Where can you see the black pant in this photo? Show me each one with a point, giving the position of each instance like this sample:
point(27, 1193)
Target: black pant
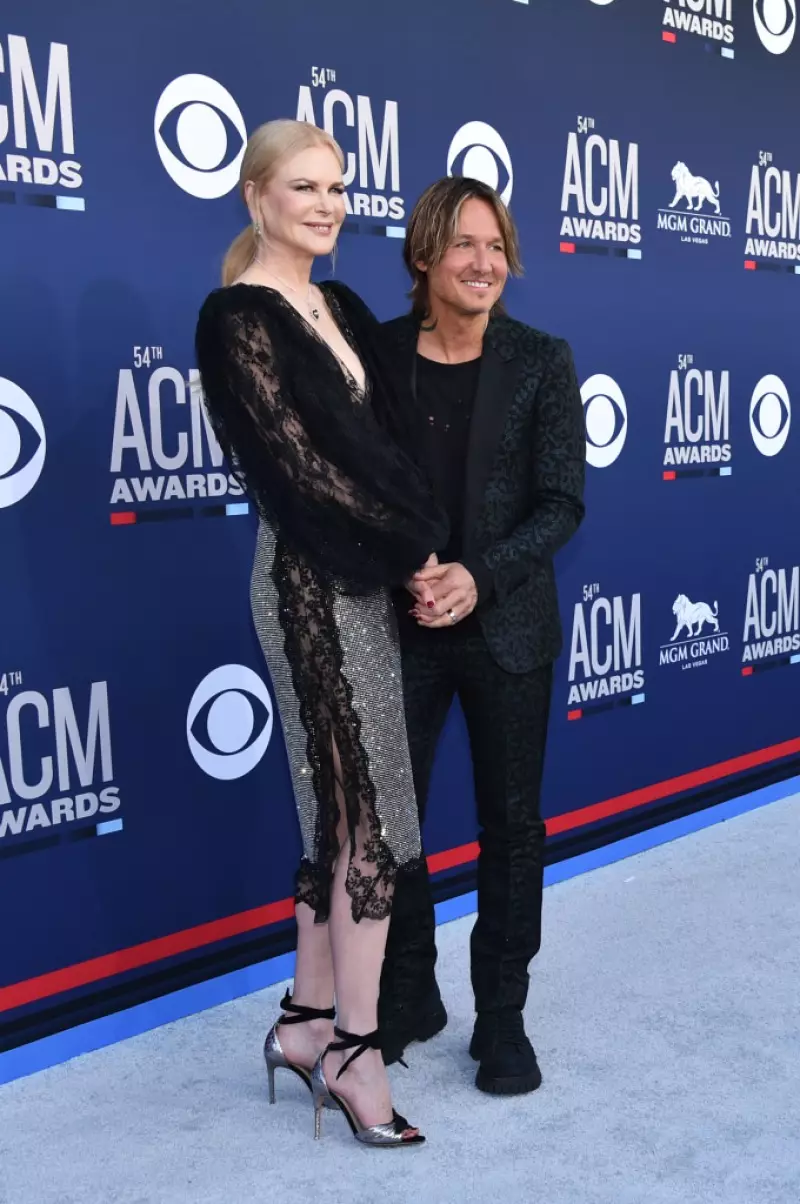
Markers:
point(506, 716)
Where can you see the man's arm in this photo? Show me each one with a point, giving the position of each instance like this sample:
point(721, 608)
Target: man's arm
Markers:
point(559, 455)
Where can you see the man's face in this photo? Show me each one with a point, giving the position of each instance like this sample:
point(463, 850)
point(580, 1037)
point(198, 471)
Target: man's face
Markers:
point(472, 274)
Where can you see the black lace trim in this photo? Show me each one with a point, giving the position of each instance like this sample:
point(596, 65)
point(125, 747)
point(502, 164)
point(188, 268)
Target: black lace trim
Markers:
point(328, 714)
point(317, 461)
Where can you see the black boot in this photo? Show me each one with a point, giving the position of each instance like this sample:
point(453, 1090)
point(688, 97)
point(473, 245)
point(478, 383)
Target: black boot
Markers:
point(402, 1021)
point(507, 1059)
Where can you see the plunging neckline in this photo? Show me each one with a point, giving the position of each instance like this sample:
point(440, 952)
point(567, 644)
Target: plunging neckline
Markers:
point(336, 313)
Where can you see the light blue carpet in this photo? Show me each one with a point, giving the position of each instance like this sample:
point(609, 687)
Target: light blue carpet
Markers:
point(665, 1009)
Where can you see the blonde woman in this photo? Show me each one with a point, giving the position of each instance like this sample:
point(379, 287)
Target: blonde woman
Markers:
point(299, 406)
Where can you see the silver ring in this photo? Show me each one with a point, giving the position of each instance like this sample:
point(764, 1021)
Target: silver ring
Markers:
point(451, 614)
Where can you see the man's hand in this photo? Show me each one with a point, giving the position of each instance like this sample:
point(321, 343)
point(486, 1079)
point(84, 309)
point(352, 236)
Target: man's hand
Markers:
point(453, 590)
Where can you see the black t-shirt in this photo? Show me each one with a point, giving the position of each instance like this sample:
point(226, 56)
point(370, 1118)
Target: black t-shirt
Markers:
point(445, 397)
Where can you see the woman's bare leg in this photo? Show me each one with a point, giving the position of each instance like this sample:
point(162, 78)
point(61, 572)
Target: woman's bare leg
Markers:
point(344, 956)
point(358, 950)
point(313, 988)
point(313, 974)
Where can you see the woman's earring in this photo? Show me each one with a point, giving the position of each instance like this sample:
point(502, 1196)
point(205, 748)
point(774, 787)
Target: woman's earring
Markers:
point(257, 229)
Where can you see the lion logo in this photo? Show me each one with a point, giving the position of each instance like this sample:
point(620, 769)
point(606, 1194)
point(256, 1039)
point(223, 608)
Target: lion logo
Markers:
point(691, 615)
point(693, 188)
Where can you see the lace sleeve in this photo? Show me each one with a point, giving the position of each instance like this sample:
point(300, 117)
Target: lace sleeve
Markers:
point(311, 459)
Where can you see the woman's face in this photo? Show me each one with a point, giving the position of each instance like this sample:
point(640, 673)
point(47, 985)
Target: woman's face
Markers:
point(302, 207)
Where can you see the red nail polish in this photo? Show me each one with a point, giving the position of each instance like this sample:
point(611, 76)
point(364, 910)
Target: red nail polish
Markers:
point(431, 605)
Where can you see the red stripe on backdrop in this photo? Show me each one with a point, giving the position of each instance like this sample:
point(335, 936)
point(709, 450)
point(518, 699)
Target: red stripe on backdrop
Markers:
point(660, 790)
point(99, 968)
point(142, 955)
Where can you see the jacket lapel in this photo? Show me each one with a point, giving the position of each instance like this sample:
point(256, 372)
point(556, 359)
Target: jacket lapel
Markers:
point(495, 393)
point(399, 362)
point(496, 387)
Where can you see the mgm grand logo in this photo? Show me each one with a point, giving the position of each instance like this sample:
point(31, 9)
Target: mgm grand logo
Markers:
point(694, 212)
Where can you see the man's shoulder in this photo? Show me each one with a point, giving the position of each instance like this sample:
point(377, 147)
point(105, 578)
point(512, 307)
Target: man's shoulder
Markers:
point(510, 334)
point(400, 326)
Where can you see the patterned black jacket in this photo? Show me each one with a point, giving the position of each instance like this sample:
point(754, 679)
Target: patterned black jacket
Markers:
point(524, 482)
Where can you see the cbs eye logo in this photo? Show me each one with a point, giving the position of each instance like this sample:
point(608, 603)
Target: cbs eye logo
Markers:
point(478, 151)
point(196, 124)
point(602, 1)
point(770, 415)
point(605, 413)
point(776, 21)
point(229, 722)
point(22, 443)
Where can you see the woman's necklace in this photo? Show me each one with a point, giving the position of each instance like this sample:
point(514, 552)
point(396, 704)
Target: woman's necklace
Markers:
point(312, 309)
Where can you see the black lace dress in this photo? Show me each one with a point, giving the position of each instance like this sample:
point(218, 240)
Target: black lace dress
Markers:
point(344, 516)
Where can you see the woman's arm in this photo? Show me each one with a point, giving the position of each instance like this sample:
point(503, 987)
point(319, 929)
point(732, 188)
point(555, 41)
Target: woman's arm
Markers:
point(357, 527)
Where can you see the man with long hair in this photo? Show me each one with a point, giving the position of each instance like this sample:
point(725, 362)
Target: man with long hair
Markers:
point(500, 431)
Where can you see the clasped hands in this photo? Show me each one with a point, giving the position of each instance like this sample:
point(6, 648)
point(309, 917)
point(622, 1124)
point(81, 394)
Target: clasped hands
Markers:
point(443, 593)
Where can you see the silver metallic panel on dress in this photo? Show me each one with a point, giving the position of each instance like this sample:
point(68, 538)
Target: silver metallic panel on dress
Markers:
point(368, 636)
point(371, 665)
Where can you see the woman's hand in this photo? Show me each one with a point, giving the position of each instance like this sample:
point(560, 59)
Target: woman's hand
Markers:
point(419, 588)
point(456, 595)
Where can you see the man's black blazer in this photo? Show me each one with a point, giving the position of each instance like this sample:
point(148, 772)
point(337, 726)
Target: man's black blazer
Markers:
point(524, 481)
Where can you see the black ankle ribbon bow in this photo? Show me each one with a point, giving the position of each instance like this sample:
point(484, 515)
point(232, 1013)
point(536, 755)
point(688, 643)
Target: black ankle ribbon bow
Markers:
point(360, 1043)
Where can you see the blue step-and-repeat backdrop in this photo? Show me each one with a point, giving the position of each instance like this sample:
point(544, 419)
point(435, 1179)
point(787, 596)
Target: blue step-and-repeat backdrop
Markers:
point(649, 152)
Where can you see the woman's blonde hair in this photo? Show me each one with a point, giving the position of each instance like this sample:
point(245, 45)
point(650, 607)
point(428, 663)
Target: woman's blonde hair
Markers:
point(434, 223)
point(266, 147)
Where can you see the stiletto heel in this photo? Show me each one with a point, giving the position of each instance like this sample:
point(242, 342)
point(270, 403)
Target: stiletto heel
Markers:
point(387, 1136)
point(273, 1053)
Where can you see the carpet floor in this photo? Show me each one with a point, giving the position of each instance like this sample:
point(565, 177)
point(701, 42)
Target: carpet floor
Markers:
point(664, 1007)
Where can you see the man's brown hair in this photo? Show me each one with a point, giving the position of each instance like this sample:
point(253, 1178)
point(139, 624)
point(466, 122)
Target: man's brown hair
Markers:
point(434, 224)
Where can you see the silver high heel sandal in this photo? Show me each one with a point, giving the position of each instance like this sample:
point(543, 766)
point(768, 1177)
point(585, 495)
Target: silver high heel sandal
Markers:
point(388, 1135)
point(273, 1053)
